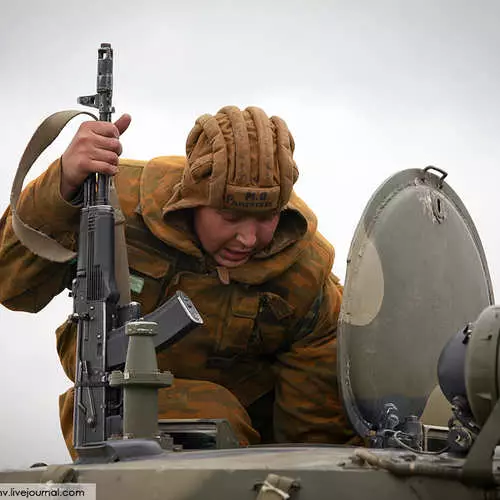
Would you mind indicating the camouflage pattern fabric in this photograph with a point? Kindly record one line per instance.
(270, 324)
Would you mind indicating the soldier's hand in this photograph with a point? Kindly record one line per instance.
(95, 148)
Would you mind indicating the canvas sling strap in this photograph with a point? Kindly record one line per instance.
(42, 244)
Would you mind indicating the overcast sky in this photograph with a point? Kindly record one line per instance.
(367, 88)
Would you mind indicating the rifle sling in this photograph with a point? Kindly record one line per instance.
(43, 245)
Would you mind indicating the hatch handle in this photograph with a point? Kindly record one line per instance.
(441, 171)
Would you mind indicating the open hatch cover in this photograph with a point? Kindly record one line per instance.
(416, 274)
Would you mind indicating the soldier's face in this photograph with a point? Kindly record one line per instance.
(232, 237)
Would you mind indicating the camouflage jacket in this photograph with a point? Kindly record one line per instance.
(270, 324)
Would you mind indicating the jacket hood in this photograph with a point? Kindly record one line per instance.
(296, 229)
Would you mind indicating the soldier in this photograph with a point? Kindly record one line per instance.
(224, 226)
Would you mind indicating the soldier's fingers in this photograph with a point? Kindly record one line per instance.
(107, 143)
(123, 123)
(102, 167)
(103, 155)
(106, 129)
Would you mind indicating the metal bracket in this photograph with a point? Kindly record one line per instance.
(478, 468)
(276, 487)
(58, 474)
(441, 171)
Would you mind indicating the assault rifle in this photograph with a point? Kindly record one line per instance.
(104, 315)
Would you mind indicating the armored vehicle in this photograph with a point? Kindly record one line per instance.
(417, 285)
(418, 348)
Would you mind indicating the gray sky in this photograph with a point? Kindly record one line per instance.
(367, 88)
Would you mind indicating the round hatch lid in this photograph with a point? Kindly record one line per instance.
(416, 274)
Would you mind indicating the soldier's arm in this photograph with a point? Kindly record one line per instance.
(29, 282)
(308, 406)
